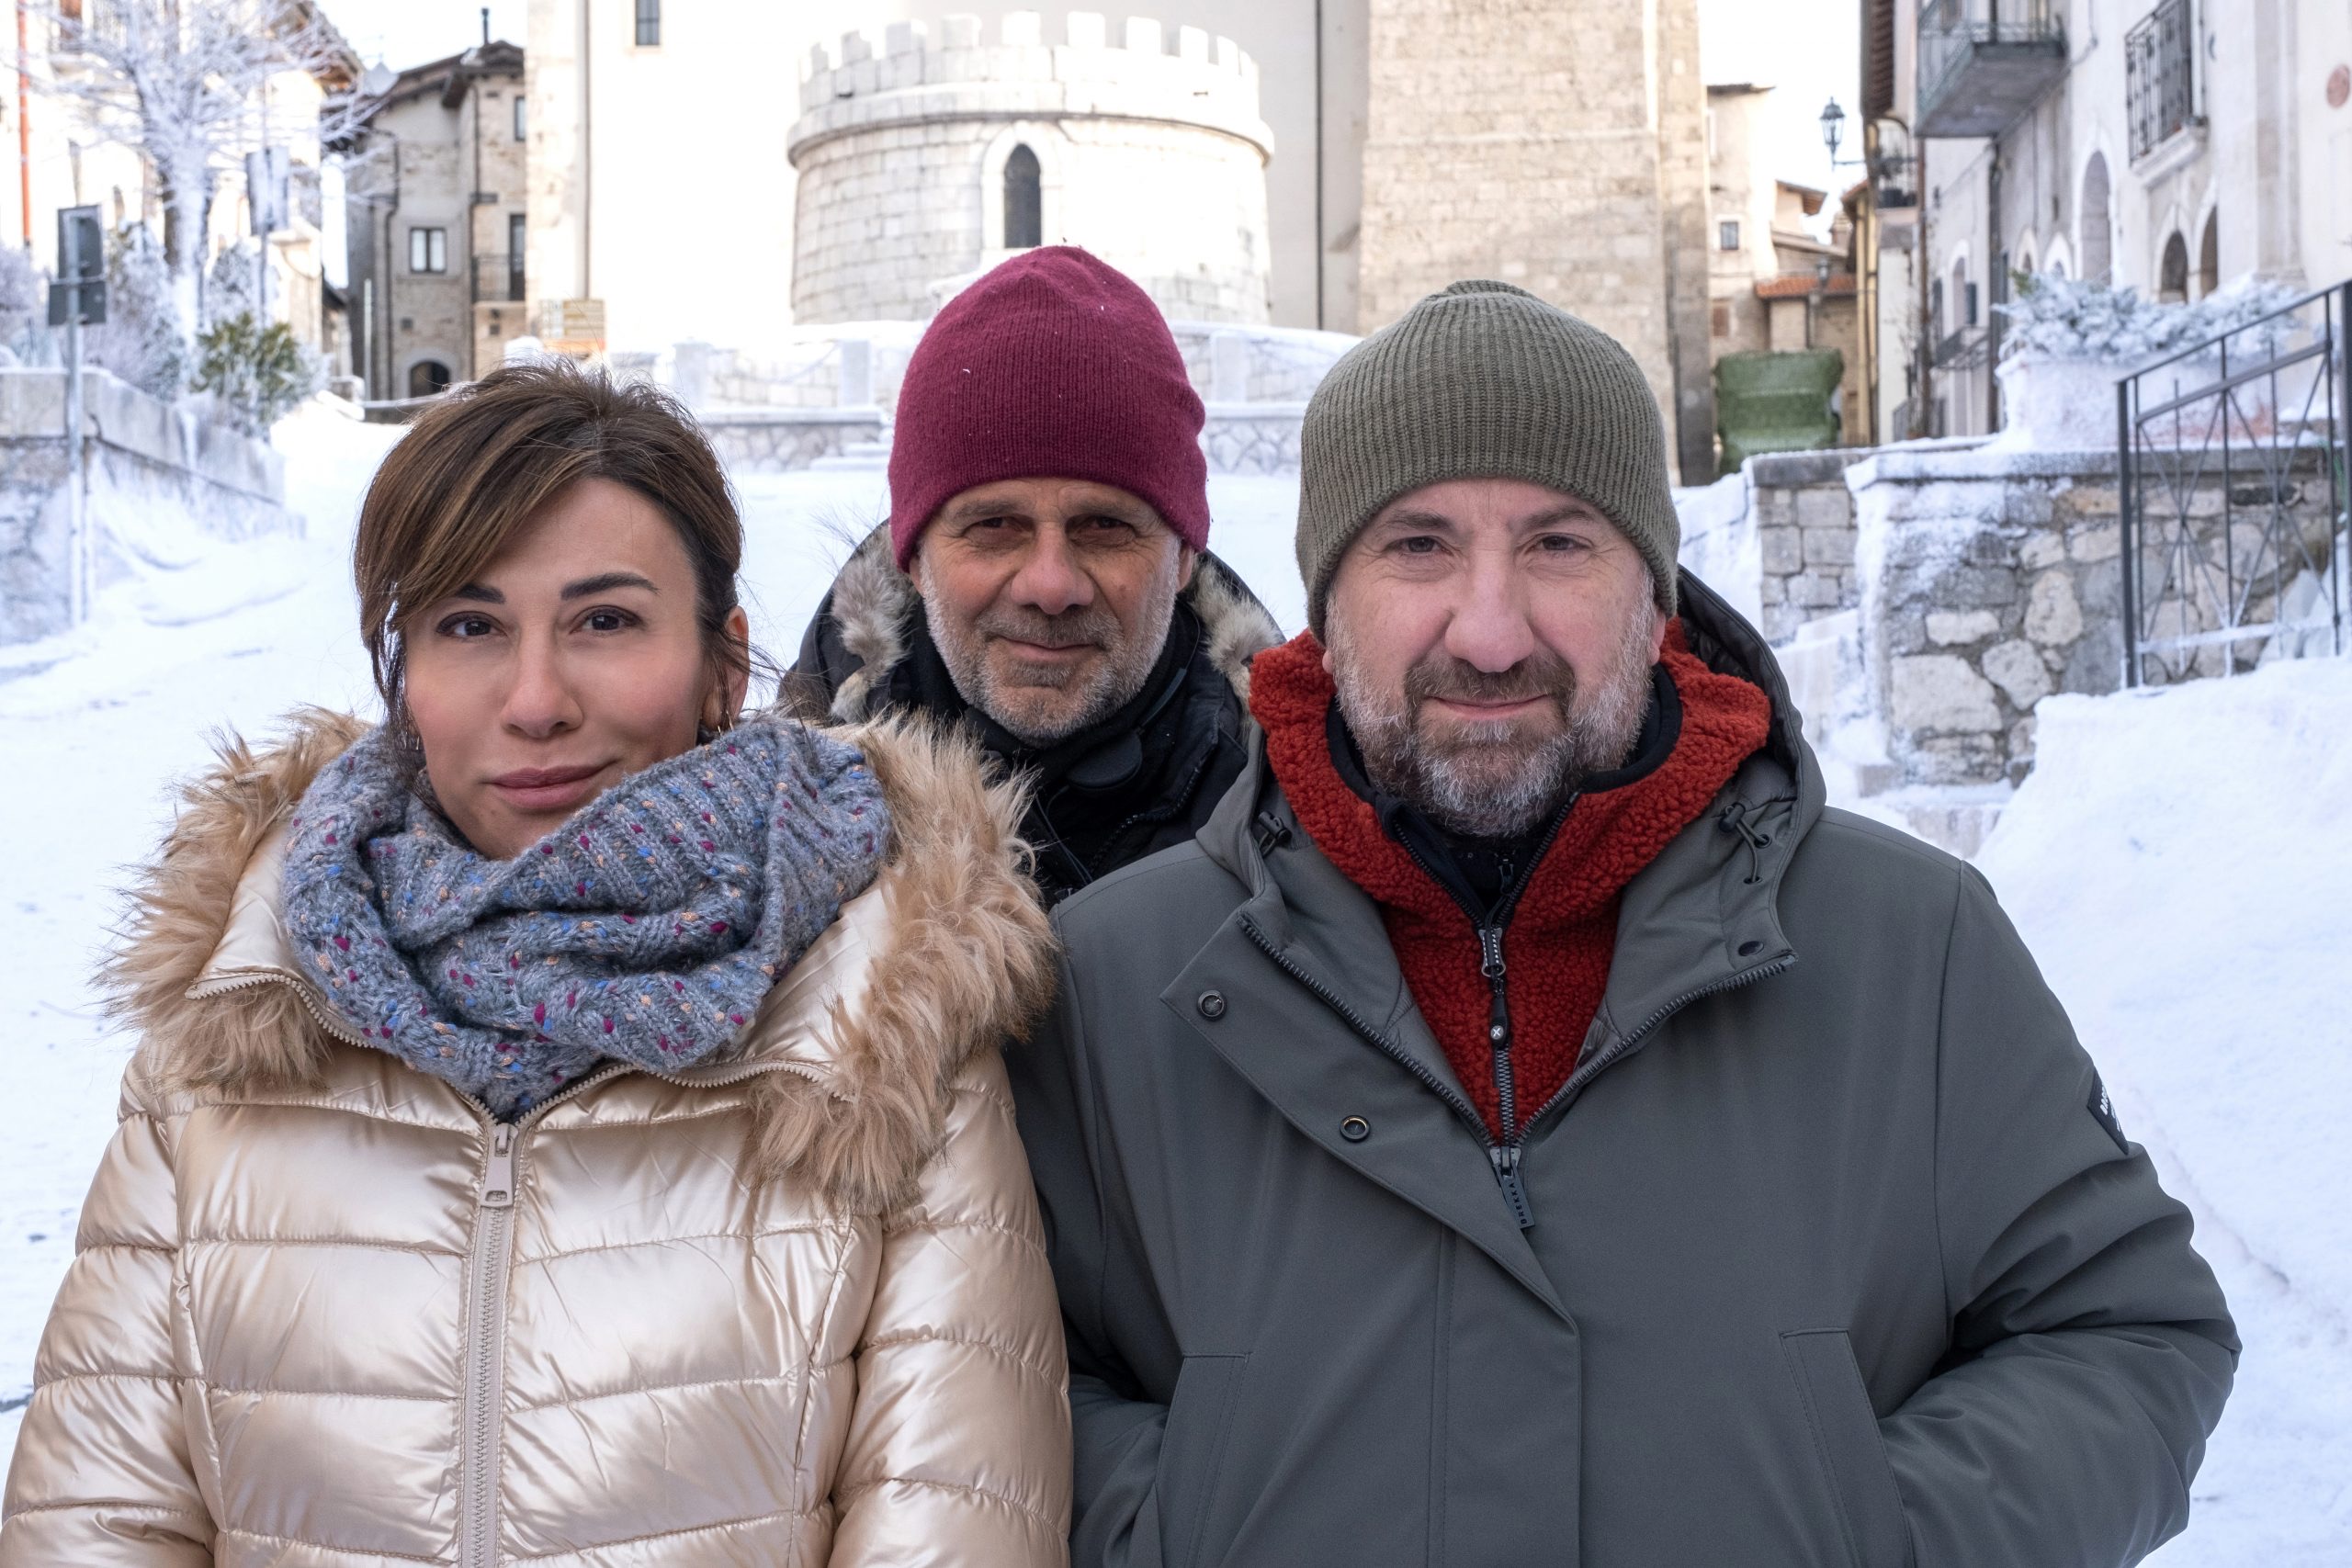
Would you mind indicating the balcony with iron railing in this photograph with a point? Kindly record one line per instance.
(1983, 64)
(498, 275)
(1969, 348)
(2159, 62)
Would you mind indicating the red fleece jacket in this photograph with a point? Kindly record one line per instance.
(1561, 939)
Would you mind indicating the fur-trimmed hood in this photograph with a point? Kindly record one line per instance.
(873, 603)
(851, 1072)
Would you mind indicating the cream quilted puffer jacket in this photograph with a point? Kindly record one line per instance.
(792, 1308)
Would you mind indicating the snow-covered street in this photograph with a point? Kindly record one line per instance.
(2181, 864)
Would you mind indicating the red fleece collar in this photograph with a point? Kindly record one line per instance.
(1563, 932)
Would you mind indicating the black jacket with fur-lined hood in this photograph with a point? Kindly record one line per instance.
(1142, 780)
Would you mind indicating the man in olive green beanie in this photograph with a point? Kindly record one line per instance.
(1483, 382)
(1447, 1157)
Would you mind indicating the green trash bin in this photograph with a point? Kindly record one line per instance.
(1776, 402)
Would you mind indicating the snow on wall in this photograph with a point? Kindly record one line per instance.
(160, 486)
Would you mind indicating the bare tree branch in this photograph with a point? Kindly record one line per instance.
(187, 82)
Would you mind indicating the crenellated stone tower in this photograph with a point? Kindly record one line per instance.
(935, 155)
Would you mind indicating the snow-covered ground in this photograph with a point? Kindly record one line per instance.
(2181, 864)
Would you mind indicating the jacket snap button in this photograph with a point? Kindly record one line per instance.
(1355, 1129)
(1748, 949)
(1212, 1004)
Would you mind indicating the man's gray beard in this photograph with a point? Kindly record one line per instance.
(1108, 685)
(1488, 785)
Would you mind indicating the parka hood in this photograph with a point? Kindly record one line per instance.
(852, 1055)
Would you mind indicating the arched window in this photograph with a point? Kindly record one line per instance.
(1025, 212)
(428, 378)
(2172, 275)
(2208, 256)
(2098, 234)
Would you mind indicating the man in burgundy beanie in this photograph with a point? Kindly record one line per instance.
(1044, 574)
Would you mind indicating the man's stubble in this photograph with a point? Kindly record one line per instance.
(1496, 780)
(1100, 688)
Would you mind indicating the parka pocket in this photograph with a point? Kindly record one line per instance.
(1845, 1435)
(1192, 1449)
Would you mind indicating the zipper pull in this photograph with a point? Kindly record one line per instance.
(498, 1177)
(1505, 1157)
(1490, 964)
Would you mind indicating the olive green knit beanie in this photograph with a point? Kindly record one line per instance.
(1483, 382)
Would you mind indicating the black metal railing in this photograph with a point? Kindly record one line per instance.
(2159, 57)
(498, 275)
(1967, 349)
(1983, 62)
(2237, 510)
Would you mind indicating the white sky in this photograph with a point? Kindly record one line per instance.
(402, 33)
(1808, 51)
(1805, 49)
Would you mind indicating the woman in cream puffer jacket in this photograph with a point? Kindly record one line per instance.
(791, 1308)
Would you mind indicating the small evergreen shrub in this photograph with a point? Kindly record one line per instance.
(256, 373)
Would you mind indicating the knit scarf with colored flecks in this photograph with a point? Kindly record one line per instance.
(646, 930)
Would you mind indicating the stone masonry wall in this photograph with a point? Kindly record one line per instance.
(1521, 140)
(1805, 537)
(1779, 535)
(1153, 159)
(149, 470)
(1989, 579)
(1975, 579)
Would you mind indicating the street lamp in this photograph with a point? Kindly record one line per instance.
(1833, 128)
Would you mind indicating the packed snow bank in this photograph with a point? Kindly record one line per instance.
(2180, 863)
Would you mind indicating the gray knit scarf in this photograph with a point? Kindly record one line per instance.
(645, 930)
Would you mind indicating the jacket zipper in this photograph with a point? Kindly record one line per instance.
(490, 1265)
(204, 989)
(1734, 817)
(1585, 1073)
(487, 1274)
(1379, 1042)
(1502, 1152)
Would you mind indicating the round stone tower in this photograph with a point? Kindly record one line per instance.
(926, 161)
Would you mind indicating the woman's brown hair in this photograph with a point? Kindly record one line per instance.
(480, 463)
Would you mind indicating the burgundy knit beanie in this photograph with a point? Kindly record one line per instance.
(1052, 365)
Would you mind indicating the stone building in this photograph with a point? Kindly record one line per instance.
(1557, 144)
(932, 157)
(2176, 146)
(1773, 286)
(436, 222)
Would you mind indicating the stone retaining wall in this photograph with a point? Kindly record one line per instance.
(1989, 579)
(1781, 529)
(149, 468)
(830, 389)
